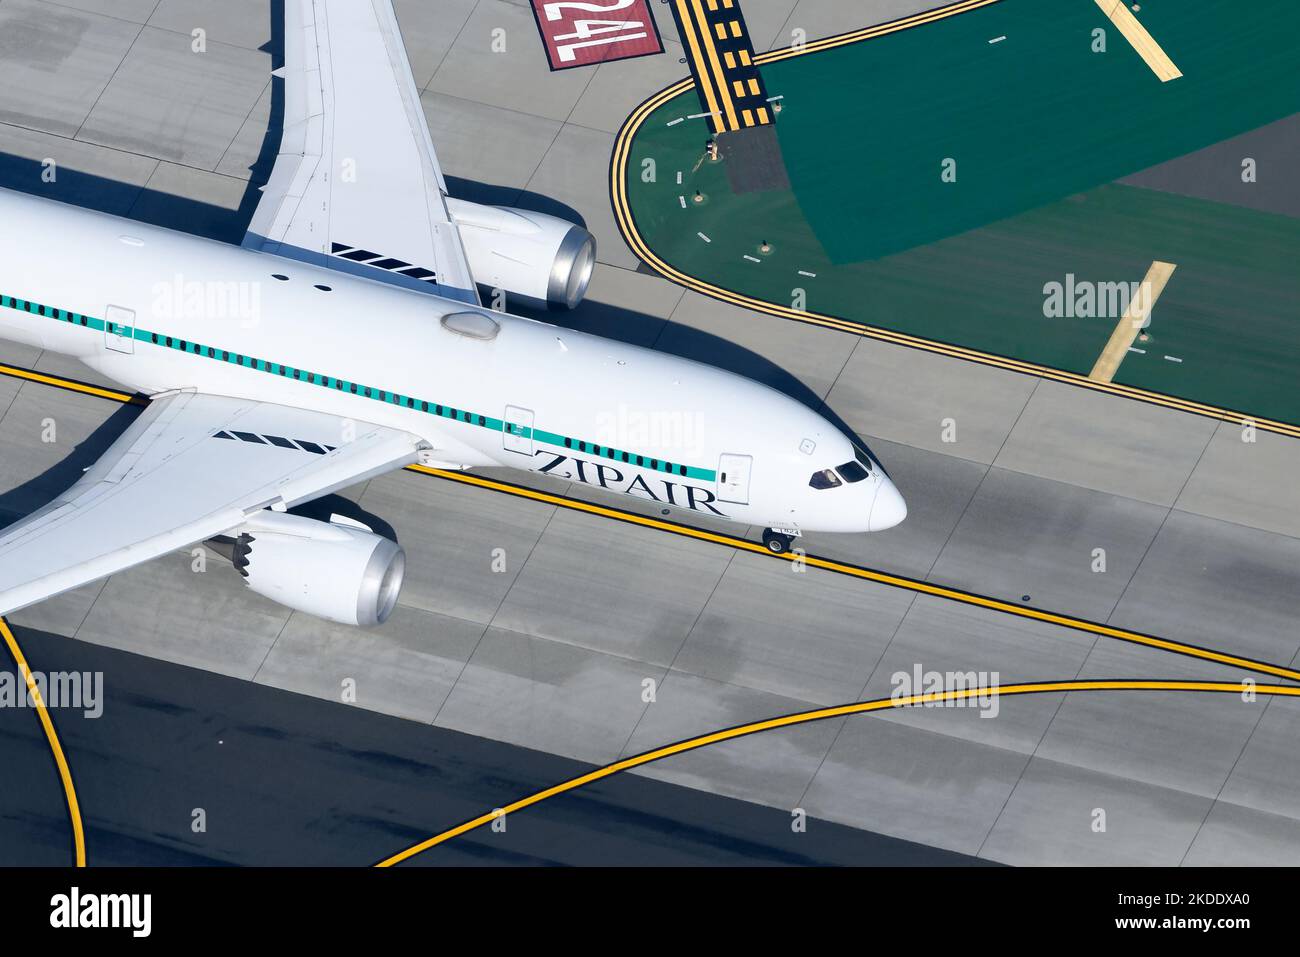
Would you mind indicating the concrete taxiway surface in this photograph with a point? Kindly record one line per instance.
(187, 767)
(1013, 484)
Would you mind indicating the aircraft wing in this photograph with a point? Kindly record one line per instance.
(190, 467)
(356, 185)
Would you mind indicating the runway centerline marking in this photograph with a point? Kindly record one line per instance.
(1130, 324)
(1141, 41)
(822, 714)
(52, 737)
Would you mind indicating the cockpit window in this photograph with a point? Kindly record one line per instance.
(852, 472)
(863, 458)
(826, 478)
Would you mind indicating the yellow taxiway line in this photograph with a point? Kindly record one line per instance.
(51, 736)
(740, 544)
(627, 227)
(1134, 318)
(1140, 39)
(866, 574)
(821, 714)
(70, 385)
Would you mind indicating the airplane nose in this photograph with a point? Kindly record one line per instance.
(888, 509)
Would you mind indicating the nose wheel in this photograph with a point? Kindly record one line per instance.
(777, 543)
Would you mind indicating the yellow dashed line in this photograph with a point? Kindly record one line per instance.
(821, 714)
(51, 736)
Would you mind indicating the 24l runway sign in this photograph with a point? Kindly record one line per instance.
(582, 32)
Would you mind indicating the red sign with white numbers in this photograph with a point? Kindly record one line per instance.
(582, 32)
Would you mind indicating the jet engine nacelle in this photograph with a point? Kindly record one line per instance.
(540, 258)
(326, 569)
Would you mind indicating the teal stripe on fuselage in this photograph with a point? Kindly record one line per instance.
(565, 442)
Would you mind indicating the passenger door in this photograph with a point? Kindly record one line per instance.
(517, 430)
(119, 329)
(733, 478)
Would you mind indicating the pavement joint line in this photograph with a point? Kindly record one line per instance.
(734, 541)
(1146, 46)
(821, 714)
(845, 568)
(52, 737)
(632, 237)
(1136, 315)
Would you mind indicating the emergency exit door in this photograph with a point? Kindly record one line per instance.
(733, 478)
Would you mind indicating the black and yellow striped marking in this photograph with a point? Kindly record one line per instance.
(723, 63)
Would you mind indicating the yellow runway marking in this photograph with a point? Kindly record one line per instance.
(821, 714)
(740, 544)
(1135, 316)
(52, 736)
(627, 227)
(1140, 39)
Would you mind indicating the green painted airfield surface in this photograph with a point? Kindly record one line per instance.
(1039, 126)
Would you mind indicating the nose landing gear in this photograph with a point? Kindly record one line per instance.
(777, 543)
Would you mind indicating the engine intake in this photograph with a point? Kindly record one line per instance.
(539, 258)
(333, 571)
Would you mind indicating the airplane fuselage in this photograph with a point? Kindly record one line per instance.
(158, 310)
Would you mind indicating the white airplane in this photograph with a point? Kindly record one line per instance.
(346, 338)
